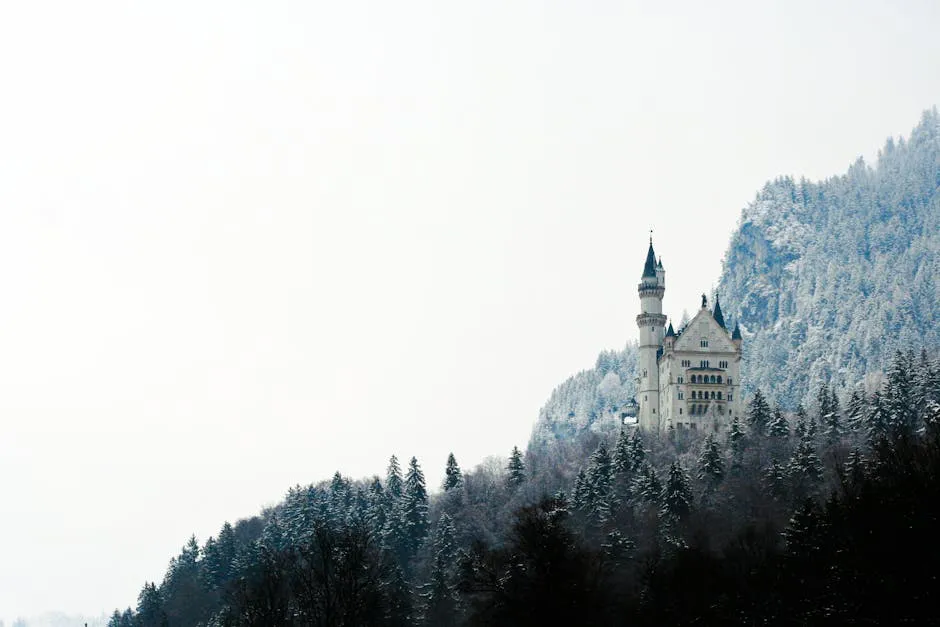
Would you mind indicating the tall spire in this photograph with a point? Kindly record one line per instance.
(649, 269)
(720, 319)
(736, 334)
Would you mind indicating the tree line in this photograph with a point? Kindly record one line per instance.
(825, 514)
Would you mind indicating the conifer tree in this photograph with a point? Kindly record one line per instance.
(581, 491)
(393, 479)
(440, 599)
(899, 396)
(876, 420)
(778, 427)
(623, 460)
(646, 485)
(854, 472)
(758, 414)
(801, 421)
(805, 468)
(855, 413)
(637, 452)
(677, 495)
(711, 465)
(736, 442)
(452, 475)
(600, 484)
(415, 505)
(829, 414)
(516, 468)
(775, 476)
(378, 506)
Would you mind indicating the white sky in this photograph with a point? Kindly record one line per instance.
(245, 244)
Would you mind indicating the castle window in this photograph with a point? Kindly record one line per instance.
(680, 411)
(719, 396)
(692, 426)
(713, 395)
(654, 410)
(712, 379)
(730, 398)
(719, 378)
(722, 364)
(681, 397)
(704, 343)
(686, 363)
(729, 380)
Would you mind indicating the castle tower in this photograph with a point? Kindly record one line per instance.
(651, 323)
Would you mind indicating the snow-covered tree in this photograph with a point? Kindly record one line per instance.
(452, 476)
(415, 505)
(677, 494)
(516, 468)
(711, 464)
(778, 426)
(758, 414)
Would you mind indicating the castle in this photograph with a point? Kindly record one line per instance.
(688, 379)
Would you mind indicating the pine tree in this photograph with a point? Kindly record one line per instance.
(800, 429)
(775, 476)
(736, 442)
(415, 506)
(855, 411)
(711, 465)
(516, 468)
(677, 495)
(581, 491)
(804, 533)
(758, 414)
(778, 427)
(899, 396)
(854, 472)
(150, 611)
(393, 480)
(600, 485)
(637, 452)
(623, 459)
(805, 468)
(646, 485)
(876, 419)
(378, 506)
(452, 475)
(829, 414)
(440, 599)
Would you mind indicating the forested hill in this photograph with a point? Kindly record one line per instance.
(590, 400)
(829, 278)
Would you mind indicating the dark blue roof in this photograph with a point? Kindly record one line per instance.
(736, 334)
(719, 318)
(649, 269)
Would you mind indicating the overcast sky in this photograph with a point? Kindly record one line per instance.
(246, 244)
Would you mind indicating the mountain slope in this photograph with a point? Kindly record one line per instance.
(830, 278)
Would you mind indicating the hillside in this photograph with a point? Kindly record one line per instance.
(829, 278)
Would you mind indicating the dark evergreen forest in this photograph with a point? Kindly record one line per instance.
(824, 515)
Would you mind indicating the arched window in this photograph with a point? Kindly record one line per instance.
(719, 378)
(713, 395)
(712, 378)
(719, 396)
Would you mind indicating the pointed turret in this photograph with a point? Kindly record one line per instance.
(649, 268)
(717, 315)
(670, 332)
(736, 334)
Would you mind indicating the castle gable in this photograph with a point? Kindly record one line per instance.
(704, 327)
